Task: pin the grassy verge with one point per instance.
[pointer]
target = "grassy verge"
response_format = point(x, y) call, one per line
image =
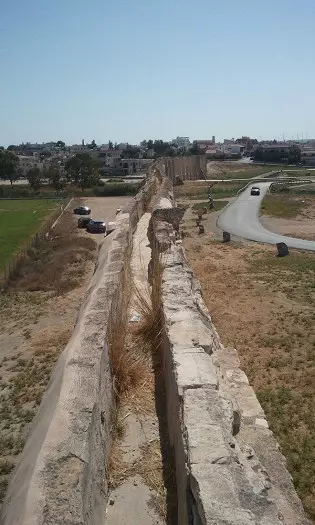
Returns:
point(249, 173)
point(283, 205)
point(199, 189)
point(269, 317)
point(218, 205)
point(105, 189)
point(19, 220)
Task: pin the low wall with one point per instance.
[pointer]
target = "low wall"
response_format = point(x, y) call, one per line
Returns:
point(61, 477)
point(229, 469)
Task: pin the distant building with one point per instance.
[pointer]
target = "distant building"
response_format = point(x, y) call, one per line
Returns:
point(27, 162)
point(150, 153)
point(204, 144)
point(234, 149)
point(182, 142)
point(130, 166)
point(108, 157)
point(77, 148)
point(308, 156)
point(276, 152)
point(214, 152)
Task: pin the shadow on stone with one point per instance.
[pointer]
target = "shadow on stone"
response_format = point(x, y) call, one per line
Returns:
point(168, 454)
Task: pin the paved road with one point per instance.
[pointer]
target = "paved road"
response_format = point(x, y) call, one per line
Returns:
point(241, 218)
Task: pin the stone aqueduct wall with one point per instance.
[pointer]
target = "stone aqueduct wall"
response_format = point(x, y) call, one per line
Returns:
point(187, 168)
point(61, 478)
point(228, 466)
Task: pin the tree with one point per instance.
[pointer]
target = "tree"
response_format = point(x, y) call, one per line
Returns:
point(294, 155)
point(60, 144)
point(55, 177)
point(92, 145)
point(44, 154)
point(9, 166)
point(34, 178)
point(82, 170)
point(12, 147)
point(130, 153)
point(195, 150)
point(110, 145)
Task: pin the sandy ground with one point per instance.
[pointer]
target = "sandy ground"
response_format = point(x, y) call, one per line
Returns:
point(299, 227)
point(264, 307)
point(189, 227)
point(302, 226)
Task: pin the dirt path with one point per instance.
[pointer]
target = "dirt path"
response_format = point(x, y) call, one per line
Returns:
point(300, 227)
point(138, 493)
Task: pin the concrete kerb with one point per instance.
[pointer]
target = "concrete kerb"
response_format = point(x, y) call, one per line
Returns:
point(61, 477)
point(215, 421)
point(61, 214)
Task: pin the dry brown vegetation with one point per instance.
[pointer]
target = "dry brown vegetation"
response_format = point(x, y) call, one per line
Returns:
point(139, 386)
point(57, 263)
point(285, 205)
point(199, 189)
point(265, 307)
point(37, 315)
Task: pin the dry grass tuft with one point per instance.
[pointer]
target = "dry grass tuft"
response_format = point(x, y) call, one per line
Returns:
point(148, 304)
point(148, 466)
point(126, 363)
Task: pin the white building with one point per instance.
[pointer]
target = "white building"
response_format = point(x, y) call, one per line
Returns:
point(182, 142)
point(27, 162)
point(234, 149)
point(308, 156)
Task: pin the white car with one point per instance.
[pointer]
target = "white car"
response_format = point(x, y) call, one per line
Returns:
point(255, 190)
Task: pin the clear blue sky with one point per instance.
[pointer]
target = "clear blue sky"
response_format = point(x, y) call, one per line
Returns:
point(126, 70)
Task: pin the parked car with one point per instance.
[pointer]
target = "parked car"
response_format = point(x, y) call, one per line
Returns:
point(84, 221)
point(96, 227)
point(82, 210)
point(255, 190)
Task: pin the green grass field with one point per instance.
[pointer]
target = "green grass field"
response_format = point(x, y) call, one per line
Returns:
point(285, 206)
point(249, 173)
point(19, 220)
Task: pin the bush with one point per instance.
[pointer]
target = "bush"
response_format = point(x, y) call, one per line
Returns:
point(113, 189)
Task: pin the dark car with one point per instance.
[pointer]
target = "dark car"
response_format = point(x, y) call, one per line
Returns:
point(255, 191)
point(82, 210)
point(84, 221)
point(96, 227)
